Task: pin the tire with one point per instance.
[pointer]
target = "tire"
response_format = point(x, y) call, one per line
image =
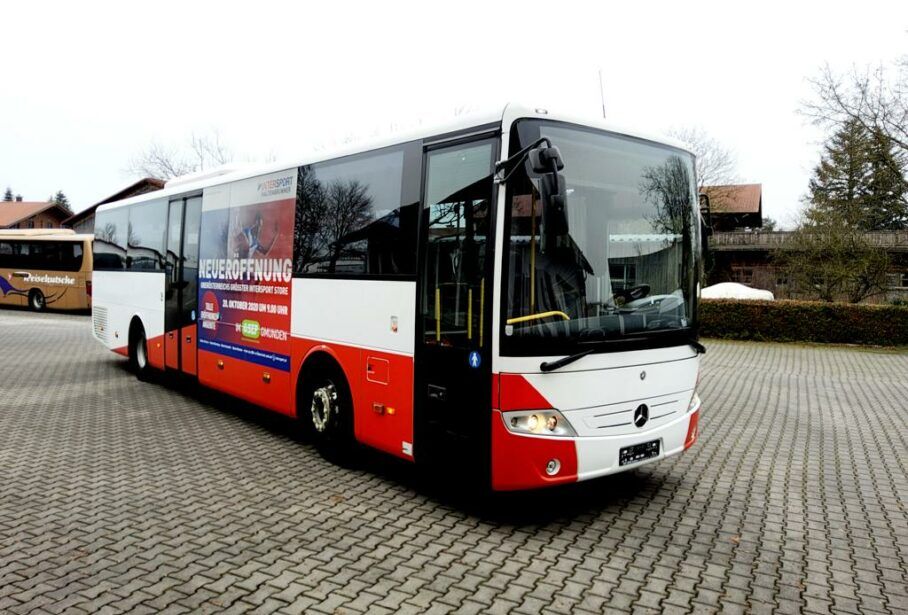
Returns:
point(138, 353)
point(36, 300)
point(326, 413)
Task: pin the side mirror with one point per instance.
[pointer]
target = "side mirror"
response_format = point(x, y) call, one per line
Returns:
point(542, 159)
point(547, 161)
point(554, 209)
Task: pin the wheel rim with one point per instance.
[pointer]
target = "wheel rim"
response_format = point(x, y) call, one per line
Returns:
point(324, 404)
point(141, 356)
point(37, 301)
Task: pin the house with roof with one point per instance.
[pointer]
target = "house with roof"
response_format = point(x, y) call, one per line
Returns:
point(31, 215)
point(84, 221)
point(749, 257)
point(735, 207)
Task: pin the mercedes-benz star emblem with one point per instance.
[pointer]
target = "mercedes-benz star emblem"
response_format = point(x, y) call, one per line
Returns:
point(642, 375)
point(641, 415)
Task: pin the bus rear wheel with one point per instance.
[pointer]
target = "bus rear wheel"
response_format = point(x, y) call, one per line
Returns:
point(36, 300)
point(326, 412)
point(138, 353)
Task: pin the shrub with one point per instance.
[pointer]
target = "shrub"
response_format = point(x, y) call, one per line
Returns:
point(804, 321)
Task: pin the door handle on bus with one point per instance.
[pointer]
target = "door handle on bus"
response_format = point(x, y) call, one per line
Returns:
point(437, 393)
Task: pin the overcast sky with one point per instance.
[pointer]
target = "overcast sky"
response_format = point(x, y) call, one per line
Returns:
point(86, 85)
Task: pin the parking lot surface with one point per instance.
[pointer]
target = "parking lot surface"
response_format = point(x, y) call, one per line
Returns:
point(117, 495)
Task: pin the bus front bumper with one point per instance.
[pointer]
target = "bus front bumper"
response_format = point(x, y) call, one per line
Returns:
point(526, 462)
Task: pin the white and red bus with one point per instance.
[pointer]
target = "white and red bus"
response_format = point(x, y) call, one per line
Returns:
point(515, 293)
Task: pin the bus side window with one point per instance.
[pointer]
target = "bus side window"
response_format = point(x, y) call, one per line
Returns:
point(6, 255)
point(356, 216)
point(111, 228)
point(147, 222)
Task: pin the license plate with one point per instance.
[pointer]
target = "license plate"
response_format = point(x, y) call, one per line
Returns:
point(638, 452)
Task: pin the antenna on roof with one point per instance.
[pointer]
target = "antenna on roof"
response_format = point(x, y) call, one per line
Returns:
point(601, 93)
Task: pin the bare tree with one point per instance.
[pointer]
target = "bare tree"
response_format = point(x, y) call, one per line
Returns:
point(167, 161)
point(874, 97)
point(716, 164)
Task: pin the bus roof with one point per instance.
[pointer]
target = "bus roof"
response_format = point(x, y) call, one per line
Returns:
point(28, 232)
point(60, 234)
point(501, 116)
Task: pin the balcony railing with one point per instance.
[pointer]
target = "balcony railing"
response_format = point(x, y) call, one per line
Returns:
point(896, 241)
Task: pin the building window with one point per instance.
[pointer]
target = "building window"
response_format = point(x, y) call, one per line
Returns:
point(623, 275)
point(31, 223)
point(897, 280)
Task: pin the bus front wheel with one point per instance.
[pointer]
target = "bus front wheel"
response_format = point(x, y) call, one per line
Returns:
point(326, 411)
point(36, 300)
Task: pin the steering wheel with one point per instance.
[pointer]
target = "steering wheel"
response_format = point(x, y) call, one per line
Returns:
point(633, 293)
point(659, 303)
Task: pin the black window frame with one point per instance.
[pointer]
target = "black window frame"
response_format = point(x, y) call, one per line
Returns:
point(410, 196)
point(105, 252)
point(487, 134)
point(533, 347)
point(151, 207)
point(75, 263)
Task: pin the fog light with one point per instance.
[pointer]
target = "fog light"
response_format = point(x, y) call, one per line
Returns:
point(552, 467)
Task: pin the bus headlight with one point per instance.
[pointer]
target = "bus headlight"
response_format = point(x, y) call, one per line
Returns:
point(538, 423)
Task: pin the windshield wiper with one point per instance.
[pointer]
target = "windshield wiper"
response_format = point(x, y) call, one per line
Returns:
point(548, 366)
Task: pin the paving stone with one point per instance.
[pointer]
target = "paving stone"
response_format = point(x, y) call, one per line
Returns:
point(119, 495)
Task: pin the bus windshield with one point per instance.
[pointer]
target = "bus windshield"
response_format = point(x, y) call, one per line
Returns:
point(627, 265)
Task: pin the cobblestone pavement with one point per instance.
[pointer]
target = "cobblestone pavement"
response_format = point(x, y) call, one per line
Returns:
point(121, 496)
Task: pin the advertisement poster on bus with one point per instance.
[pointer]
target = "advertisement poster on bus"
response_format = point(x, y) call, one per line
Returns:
point(245, 270)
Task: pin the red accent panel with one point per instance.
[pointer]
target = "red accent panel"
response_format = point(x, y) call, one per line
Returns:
point(517, 394)
point(496, 388)
point(389, 384)
point(155, 348)
point(171, 349)
point(518, 462)
point(245, 380)
point(123, 350)
point(188, 343)
point(693, 430)
point(389, 430)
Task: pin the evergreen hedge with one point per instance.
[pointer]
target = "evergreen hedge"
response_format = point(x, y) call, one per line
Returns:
point(804, 321)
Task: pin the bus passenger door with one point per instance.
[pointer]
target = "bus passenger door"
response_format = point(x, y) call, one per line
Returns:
point(173, 285)
point(189, 274)
point(181, 288)
point(452, 391)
